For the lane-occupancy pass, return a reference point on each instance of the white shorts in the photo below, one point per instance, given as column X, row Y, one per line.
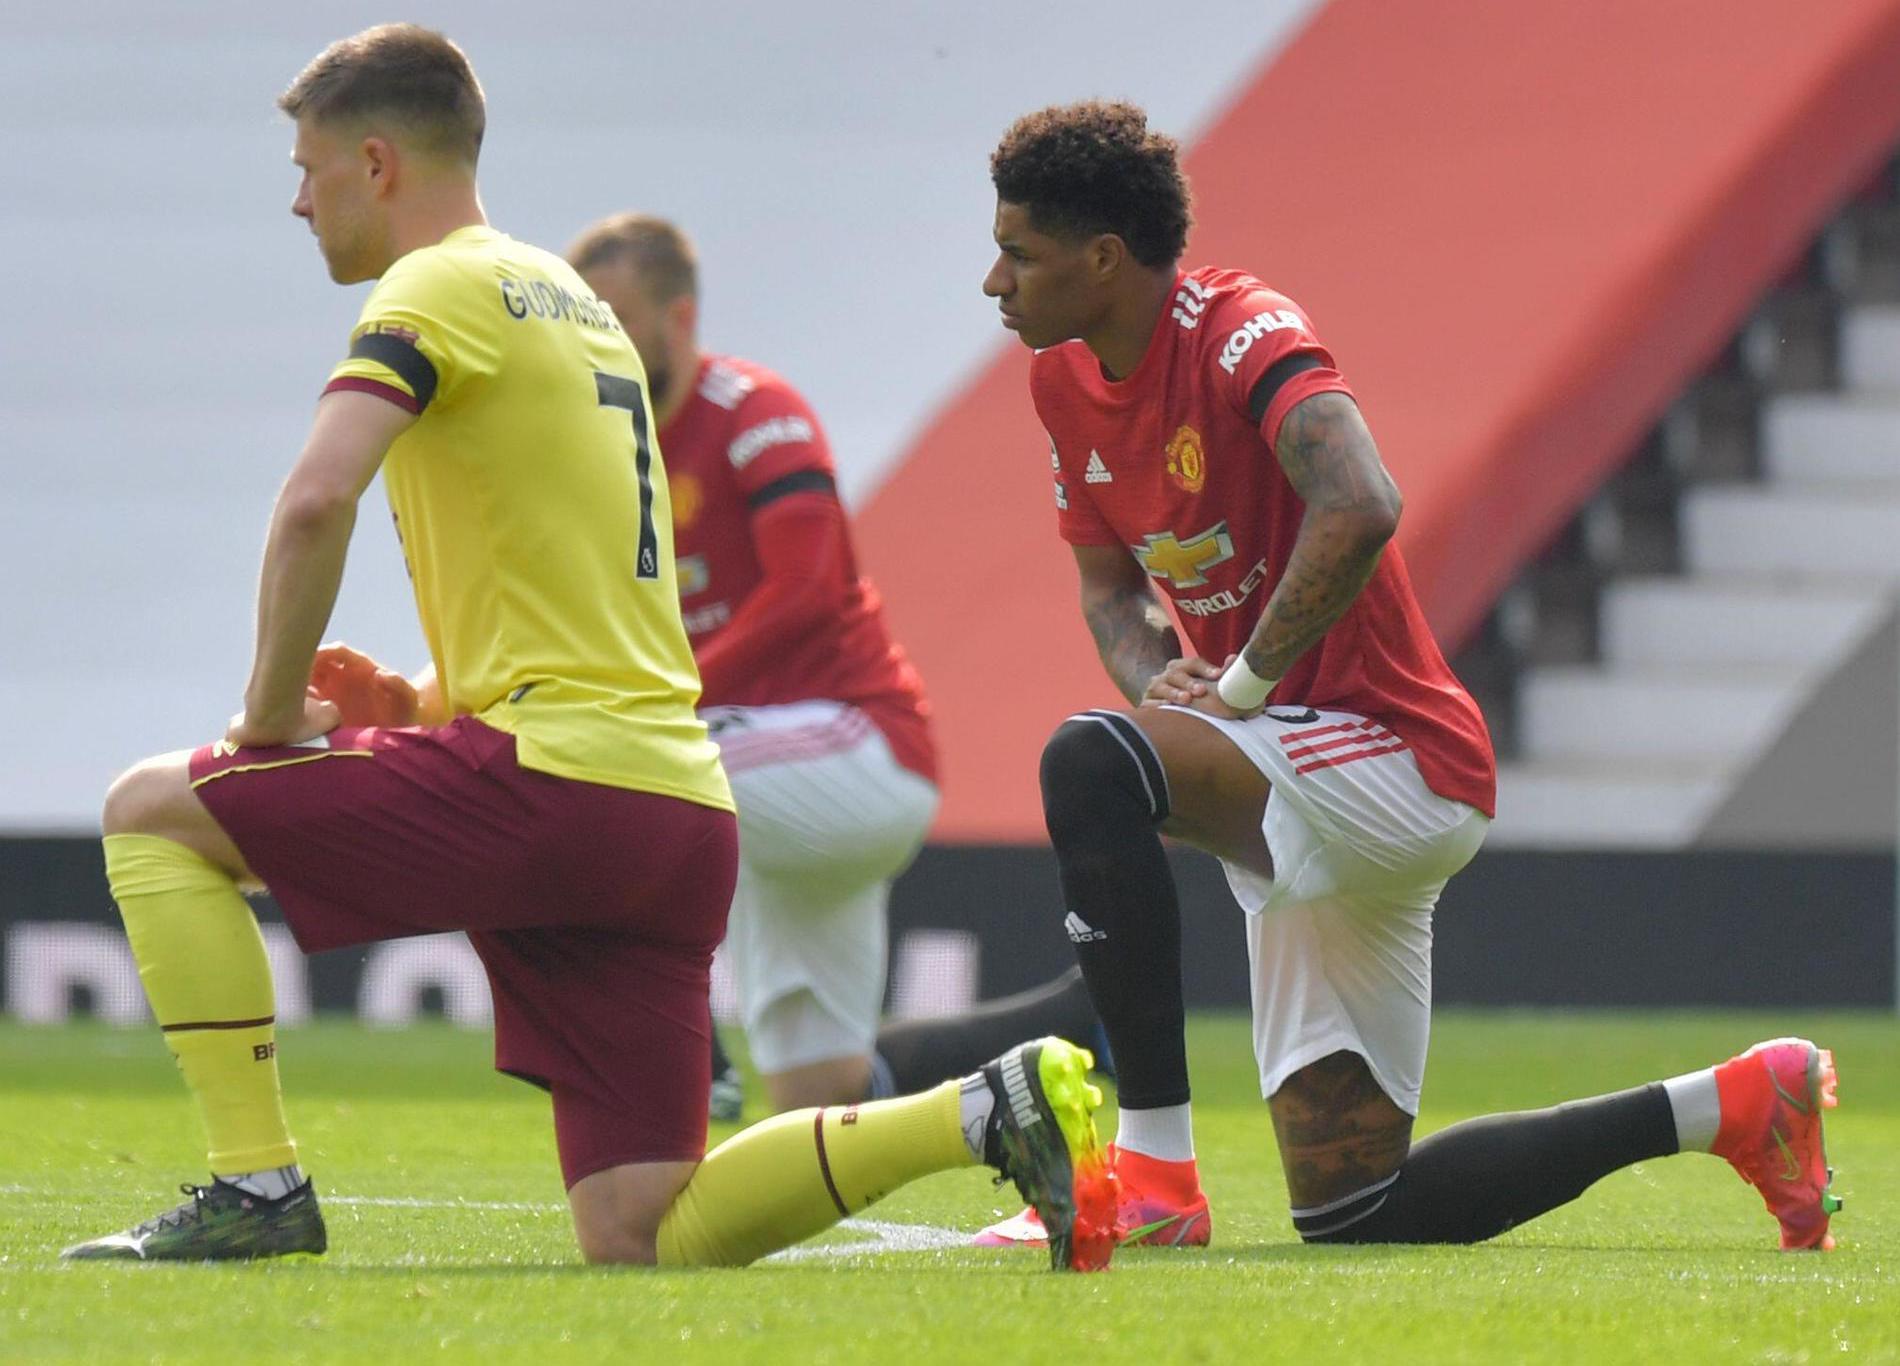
column 1340, row 938
column 827, row 818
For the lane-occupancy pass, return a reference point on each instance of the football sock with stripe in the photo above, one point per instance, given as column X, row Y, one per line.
column 916, row 1053
column 1104, row 796
column 798, row 1173
column 1477, row 1179
column 202, row 961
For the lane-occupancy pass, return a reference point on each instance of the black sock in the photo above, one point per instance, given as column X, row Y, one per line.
column 1104, row 793
column 1477, row 1179
column 721, row 1064
column 920, row 1053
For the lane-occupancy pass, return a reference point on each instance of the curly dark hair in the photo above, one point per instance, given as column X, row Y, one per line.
column 1094, row 167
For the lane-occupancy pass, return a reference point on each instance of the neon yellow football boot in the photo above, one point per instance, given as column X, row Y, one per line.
column 1042, row 1137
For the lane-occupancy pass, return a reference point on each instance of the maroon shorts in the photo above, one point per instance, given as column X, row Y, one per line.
column 595, row 909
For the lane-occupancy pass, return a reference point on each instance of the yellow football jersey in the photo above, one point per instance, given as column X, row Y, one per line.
column 533, row 511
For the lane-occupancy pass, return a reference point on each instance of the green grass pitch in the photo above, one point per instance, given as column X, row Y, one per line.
column 449, row 1241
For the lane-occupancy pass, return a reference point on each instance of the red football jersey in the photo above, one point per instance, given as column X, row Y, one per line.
column 1171, row 463
column 738, row 453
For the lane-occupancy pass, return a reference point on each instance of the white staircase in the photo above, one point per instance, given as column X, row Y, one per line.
column 1699, row 673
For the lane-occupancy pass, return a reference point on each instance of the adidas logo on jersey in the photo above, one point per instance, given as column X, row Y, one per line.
column 1080, row 931
column 1191, row 303
column 1097, row 472
column 725, row 386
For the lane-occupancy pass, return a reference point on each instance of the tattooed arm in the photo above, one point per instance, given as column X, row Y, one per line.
column 1352, row 509
column 1132, row 632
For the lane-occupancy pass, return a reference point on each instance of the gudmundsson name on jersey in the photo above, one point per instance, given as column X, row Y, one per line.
column 527, row 298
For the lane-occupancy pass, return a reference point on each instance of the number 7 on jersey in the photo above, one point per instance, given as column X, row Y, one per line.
column 616, row 391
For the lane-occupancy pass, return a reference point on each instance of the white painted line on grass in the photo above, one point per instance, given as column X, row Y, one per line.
column 884, row 1237
column 404, row 1202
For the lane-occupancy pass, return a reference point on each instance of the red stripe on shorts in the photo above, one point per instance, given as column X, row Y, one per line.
column 759, row 748
column 1358, row 735
column 1289, row 737
column 1372, row 750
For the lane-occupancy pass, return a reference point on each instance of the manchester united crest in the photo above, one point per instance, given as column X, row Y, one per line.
column 1187, row 461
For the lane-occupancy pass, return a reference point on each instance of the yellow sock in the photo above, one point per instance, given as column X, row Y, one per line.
column 202, row 961
column 798, row 1173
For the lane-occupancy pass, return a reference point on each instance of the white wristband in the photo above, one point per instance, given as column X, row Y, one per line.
column 1241, row 688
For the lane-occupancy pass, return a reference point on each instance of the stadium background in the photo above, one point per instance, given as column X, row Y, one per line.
column 1613, row 282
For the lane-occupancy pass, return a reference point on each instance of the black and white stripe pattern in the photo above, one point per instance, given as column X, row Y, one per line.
column 1154, row 778
column 1022, row 1103
column 1318, row 1223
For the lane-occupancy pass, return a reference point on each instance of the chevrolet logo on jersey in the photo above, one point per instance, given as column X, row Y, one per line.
column 1182, row 563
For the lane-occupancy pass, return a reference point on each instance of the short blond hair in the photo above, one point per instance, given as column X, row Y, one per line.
column 412, row 76
column 657, row 250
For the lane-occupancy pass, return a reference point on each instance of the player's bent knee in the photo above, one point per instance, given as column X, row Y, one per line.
column 1340, row 1135
column 1097, row 763
column 608, row 1238
column 1078, row 756
column 616, row 1247
column 136, row 802
column 617, row 1211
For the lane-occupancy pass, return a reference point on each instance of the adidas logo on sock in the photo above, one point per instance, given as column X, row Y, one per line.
column 1080, row 931
column 1097, row 472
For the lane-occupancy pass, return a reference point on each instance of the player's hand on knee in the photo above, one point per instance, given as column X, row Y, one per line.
column 1184, row 683
column 363, row 691
column 320, row 717
column 1211, row 702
